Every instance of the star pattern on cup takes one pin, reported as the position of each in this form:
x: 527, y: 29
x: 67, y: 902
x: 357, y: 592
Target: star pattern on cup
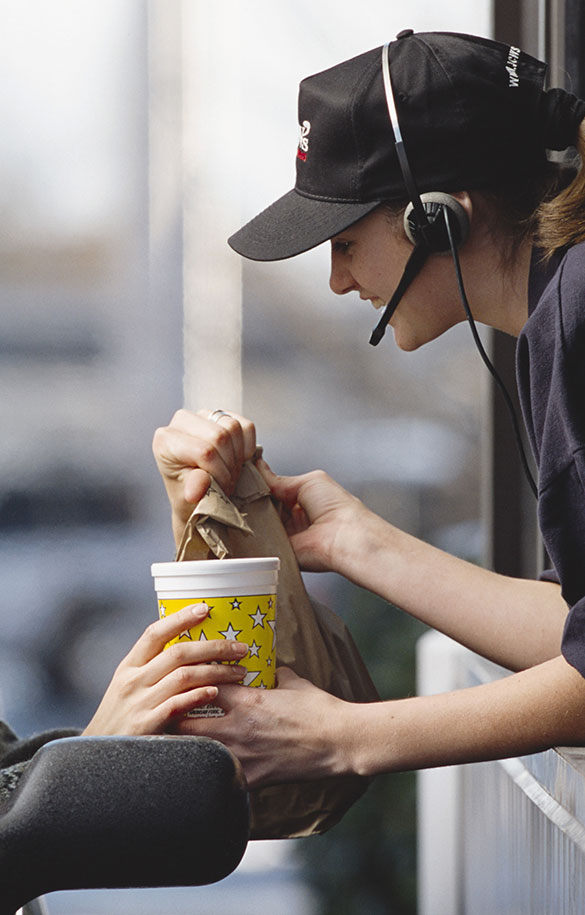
x: 250, y: 677
x: 272, y: 624
x: 230, y: 632
x: 247, y: 618
x: 258, y: 618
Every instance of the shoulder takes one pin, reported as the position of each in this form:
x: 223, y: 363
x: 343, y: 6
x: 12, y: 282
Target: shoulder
x: 558, y: 307
x: 571, y: 270
x: 570, y: 294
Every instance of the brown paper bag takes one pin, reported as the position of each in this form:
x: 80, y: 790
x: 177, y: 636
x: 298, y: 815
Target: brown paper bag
x: 311, y: 639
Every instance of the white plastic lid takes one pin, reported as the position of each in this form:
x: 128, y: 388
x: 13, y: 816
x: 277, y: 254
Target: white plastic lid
x: 215, y: 576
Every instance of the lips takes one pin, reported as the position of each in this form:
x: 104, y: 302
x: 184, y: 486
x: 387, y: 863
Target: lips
x: 377, y: 303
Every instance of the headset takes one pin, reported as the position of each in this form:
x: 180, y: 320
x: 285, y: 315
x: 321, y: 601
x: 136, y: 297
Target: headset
x: 435, y: 223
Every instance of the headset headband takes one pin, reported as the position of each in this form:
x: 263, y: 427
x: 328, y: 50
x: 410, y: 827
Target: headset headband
x: 419, y: 211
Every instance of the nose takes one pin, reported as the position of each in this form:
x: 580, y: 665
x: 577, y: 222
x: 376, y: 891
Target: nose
x: 340, y: 279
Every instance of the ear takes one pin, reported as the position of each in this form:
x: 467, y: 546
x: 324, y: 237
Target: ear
x: 438, y: 206
x: 464, y: 198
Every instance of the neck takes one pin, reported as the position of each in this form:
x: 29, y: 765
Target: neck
x: 500, y: 295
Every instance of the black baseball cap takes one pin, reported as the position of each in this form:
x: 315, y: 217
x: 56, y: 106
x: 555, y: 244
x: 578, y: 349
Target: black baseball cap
x: 468, y: 109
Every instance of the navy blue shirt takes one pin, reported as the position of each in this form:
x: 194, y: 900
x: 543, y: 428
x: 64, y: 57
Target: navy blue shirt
x: 551, y: 380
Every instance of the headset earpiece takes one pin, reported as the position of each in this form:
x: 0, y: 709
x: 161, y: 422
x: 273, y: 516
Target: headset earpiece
x: 435, y: 232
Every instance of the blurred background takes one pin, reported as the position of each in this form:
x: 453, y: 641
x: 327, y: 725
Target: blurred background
x: 136, y: 136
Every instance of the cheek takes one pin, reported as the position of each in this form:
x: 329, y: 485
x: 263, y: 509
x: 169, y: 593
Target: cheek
x: 423, y: 315
x: 382, y: 271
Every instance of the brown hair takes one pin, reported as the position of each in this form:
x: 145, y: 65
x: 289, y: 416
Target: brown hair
x: 548, y: 210
x: 561, y: 218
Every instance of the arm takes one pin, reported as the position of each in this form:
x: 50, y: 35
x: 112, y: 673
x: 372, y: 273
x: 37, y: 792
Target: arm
x: 514, y: 622
x: 523, y: 713
x: 298, y: 732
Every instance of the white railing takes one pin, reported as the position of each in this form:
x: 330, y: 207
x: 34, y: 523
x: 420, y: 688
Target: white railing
x: 497, y: 837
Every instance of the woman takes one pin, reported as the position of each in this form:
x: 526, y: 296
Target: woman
x: 473, y: 122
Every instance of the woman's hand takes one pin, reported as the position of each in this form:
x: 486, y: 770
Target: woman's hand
x: 325, y: 523
x: 152, y: 687
x: 293, y: 732
x: 193, y: 447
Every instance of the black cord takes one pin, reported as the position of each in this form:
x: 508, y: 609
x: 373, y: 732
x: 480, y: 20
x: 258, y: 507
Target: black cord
x: 486, y: 358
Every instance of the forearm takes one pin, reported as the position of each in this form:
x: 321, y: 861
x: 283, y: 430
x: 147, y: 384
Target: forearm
x: 523, y: 713
x: 515, y: 622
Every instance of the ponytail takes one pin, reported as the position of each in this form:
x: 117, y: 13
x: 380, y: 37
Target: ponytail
x: 560, y: 219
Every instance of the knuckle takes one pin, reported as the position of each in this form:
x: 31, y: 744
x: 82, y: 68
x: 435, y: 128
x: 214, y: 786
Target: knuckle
x: 222, y: 435
x: 221, y: 649
x: 320, y: 475
x: 179, y: 416
x: 251, y: 732
x: 128, y: 688
x: 183, y: 678
x: 178, y: 654
x: 174, y: 707
x: 208, y: 452
x: 157, y: 436
x: 151, y: 634
x: 249, y: 430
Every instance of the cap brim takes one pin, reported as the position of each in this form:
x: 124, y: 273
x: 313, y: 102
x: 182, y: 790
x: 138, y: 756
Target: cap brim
x: 294, y: 224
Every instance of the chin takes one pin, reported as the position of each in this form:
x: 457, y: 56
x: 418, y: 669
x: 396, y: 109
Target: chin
x: 410, y: 338
x: 408, y: 343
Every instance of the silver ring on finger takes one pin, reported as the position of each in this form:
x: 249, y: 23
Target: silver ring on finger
x: 216, y: 415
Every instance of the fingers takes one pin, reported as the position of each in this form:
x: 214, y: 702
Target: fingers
x: 286, y: 489
x: 189, y: 673
x: 195, y: 484
x: 217, y: 654
x: 195, y: 440
x: 205, y: 446
x: 242, y: 431
x: 150, y: 687
x: 303, y: 495
x: 155, y: 637
x: 189, y: 685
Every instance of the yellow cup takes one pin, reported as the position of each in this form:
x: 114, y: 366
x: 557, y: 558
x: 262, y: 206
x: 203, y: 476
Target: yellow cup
x: 241, y: 597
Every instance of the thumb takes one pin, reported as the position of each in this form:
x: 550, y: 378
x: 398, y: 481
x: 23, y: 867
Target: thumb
x: 286, y: 489
x: 266, y: 472
x: 287, y: 679
x: 196, y: 484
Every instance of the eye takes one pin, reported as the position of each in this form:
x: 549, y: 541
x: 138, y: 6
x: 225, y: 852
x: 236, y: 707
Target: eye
x: 340, y: 247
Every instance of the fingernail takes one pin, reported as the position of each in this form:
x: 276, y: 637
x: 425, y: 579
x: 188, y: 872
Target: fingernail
x: 198, y: 610
x: 239, y: 649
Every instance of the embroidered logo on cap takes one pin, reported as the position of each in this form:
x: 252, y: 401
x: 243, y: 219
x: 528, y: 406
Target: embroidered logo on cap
x: 512, y: 68
x: 304, y: 141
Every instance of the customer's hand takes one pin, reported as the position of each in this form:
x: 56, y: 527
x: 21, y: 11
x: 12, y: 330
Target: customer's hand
x: 151, y: 688
x: 195, y: 446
